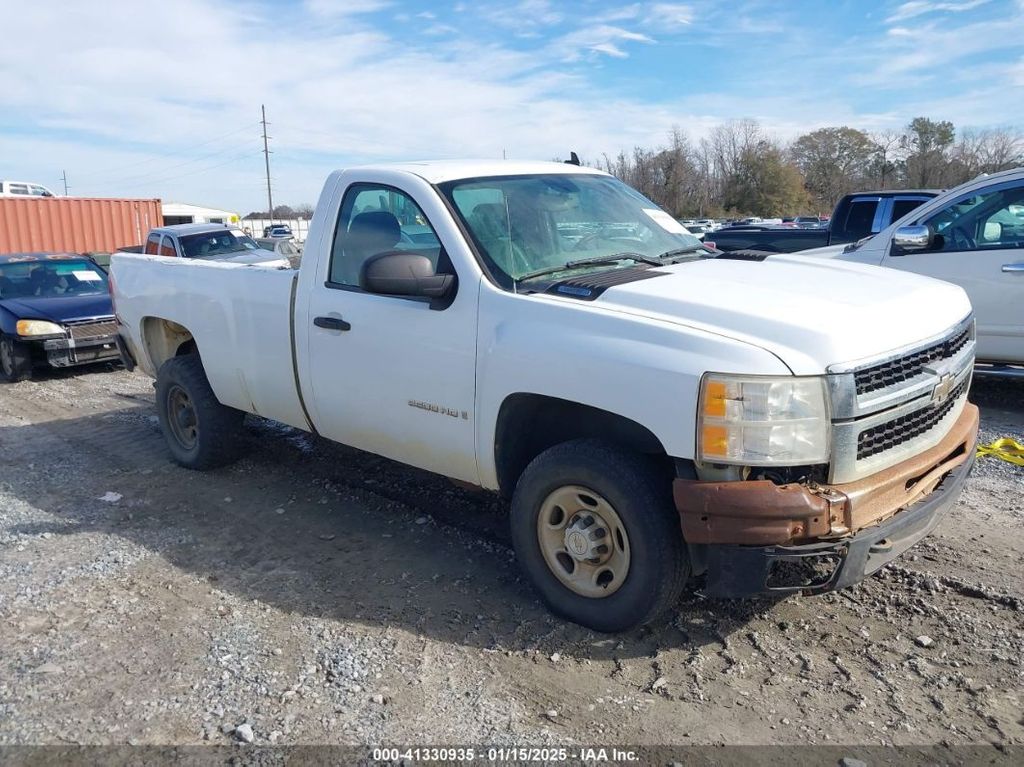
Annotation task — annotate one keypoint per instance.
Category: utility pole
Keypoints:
(266, 158)
(64, 178)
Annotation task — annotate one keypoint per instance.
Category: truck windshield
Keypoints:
(524, 225)
(51, 278)
(216, 243)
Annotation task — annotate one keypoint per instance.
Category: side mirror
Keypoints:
(910, 238)
(404, 274)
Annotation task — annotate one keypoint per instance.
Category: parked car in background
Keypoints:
(23, 189)
(418, 234)
(55, 310)
(211, 242)
(277, 230)
(856, 216)
(972, 236)
(652, 409)
(696, 229)
(807, 222)
(284, 248)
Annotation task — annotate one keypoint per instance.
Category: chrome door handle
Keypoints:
(1018, 267)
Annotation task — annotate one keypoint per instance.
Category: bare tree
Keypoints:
(887, 167)
(927, 143)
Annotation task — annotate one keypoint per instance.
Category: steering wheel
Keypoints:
(961, 239)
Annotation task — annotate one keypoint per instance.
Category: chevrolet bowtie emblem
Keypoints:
(942, 389)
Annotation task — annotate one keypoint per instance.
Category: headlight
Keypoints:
(39, 328)
(761, 421)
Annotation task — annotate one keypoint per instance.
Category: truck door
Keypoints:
(979, 245)
(391, 375)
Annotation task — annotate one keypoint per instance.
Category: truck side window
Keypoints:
(901, 206)
(152, 244)
(167, 247)
(860, 219)
(377, 219)
(991, 220)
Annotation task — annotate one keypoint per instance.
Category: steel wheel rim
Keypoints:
(583, 541)
(182, 418)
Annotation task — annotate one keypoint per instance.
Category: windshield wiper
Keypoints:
(681, 252)
(640, 258)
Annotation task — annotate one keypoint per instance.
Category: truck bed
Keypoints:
(238, 315)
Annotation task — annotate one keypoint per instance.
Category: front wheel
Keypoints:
(15, 360)
(597, 534)
(201, 433)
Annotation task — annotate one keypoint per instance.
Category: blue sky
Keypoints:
(142, 98)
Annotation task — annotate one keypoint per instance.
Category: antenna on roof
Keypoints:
(573, 159)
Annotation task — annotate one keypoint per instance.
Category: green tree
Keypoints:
(764, 183)
(834, 162)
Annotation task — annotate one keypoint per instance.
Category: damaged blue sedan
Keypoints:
(56, 311)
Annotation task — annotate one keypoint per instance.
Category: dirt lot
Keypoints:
(321, 595)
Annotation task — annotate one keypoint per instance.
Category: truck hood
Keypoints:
(829, 251)
(809, 312)
(60, 308)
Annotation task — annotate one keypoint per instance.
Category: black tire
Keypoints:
(15, 359)
(186, 403)
(641, 497)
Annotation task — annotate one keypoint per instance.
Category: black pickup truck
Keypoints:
(856, 216)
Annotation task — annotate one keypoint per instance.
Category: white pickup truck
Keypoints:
(653, 412)
(972, 236)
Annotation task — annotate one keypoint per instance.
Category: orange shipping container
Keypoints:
(74, 224)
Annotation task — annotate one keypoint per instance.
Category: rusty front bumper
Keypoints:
(853, 528)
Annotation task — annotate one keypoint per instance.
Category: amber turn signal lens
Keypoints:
(714, 440)
(714, 399)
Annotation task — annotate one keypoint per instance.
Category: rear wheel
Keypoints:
(596, 532)
(15, 359)
(201, 433)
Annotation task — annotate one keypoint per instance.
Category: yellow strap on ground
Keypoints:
(1005, 449)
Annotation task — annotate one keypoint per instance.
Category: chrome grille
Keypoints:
(893, 433)
(904, 368)
(88, 331)
(888, 409)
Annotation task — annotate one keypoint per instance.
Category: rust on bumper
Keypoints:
(763, 513)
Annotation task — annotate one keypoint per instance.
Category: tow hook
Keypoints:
(836, 508)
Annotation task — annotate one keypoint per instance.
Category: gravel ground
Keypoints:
(315, 594)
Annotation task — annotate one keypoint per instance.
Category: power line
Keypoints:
(196, 172)
(169, 153)
(141, 177)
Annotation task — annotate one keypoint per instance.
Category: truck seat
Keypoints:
(371, 232)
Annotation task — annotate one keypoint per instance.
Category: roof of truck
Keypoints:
(181, 229)
(438, 171)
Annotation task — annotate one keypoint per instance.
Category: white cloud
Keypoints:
(341, 8)
(175, 114)
(598, 39)
(669, 16)
(914, 8)
(110, 94)
(521, 15)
